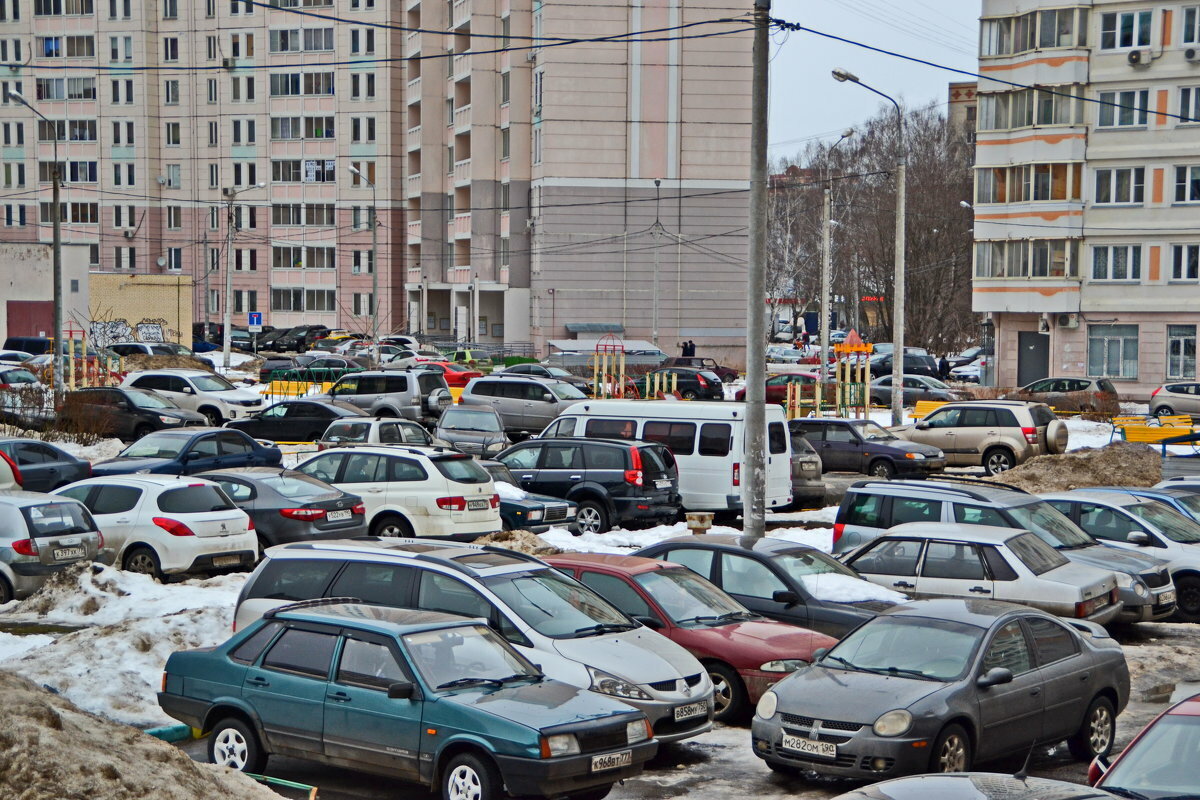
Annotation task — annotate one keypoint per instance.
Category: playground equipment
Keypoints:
(849, 393)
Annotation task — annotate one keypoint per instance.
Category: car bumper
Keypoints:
(1137, 610)
(923, 467)
(1107, 614)
(552, 777)
(211, 561)
(187, 710)
(859, 755)
(643, 508)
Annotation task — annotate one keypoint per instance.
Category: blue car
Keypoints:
(1184, 499)
(189, 451)
(526, 511)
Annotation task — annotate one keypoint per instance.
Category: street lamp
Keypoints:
(827, 252)
(227, 317)
(374, 259)
(898, 288)
(56, 217)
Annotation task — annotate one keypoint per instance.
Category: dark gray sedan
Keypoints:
(860, 445)
(936, 685)
(43, 466)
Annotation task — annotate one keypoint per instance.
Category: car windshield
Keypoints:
(689, 599)
(460, 418)
(152, 446)
(461, 469)
(212, 383)
(934, 383)
(51, 519)
(1189, 501)
(565, 391)
(559, 372)
(18, 376)
(1050, 526)
(143, 399)
(298, 487)
(1035, 554)
(811, 562)
(908, 647)
(465, 656)
(556, 606)
(1161, 764)
(873, 432)
(501, 474)
(1171, 523)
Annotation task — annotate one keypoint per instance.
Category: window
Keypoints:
(1187, 184)
(318, 127)
(318, 83)
(1185, 264)
(242, 89)
(505, 143)
(537, 144)
(370, 664)
(214, 177)
(172, 134)
(56, 8)
(362, 40)
(174, 217)
(175, 258)
(915, 510)
(1050, 105)
(320, 299)
(212, 90)
(174, 179)
(1037, 258)
(1181, 351)
(1124, 185)
(618, 592)
(241, 45)
(14, 134)
(14, 175)
(81, 88)
(1118, 262)
(952, 561)
(287, 300)
(364, 168)
(302, 652)
(1009, 650)
(1191, 24)
(1113, 351)
(214, 136)
(124, 257)
(122, 89)
(362, 86)
(505, 87)
(170, 9)
(245, 260)
(14, 215)
(250, 649)
(362, 129)
(1123, 109)
(243, 131)
(118, 128)
(715, 439)
(749, 578)
(50, 88)
(867, 510)
(1028, 182)
(1189, 104)
(364, 305)
(363, 262)
(1051, 641)
(889, 557)
(170, 48)
(1125, 29)
(680, 437)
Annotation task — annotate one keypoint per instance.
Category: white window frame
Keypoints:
(1105, 257)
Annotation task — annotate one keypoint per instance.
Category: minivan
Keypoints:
(525, 404)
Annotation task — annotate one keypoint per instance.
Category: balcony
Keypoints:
(413, 276)
(460, 228)
(505, 224)
(461, 14)
(462, 65)
(414, 232)
(412, 139)
(412, 185)
(460, 274)
(462, 172)
(462, 118)
(412, 91)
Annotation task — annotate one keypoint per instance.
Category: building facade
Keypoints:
(1087, 254)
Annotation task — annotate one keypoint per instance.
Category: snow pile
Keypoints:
(520, 541)
(12, 646)
(509, 492)
(621, 541)
(835, 588)
(1118, 464)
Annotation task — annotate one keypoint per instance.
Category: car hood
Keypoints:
(973, 786)
(640, 656)
(849, 696)
(539, 705)
(765, 640)
(127, 466)
(910, 447)
(180, 413)
(1113, 559)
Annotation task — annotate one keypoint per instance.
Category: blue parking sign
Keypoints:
(254, 318)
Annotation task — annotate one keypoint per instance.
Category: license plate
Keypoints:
(802, 745)
(1166, 597)
(477, 505)
(612, 760)
(690, 710)
(226, 561)
(662, 484)
(334, 516)
(63, 553)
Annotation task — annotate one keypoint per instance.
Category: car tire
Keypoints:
(881, 468)
(1056, 437)
(1164, 411)
(997, 460)
(385, 413)
(144, 561)
(233, 744)
(391, 526)
(212, 415)
(591, 517)
(1096, 733)
(729, 695)
(951, 751)
(1187, 598)
(6, 591)
(689, 395)
(469, 777)
(142, 430)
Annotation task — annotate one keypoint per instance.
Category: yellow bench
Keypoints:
(1124, 422)
(1176, 421)
(1151, 434)
(925, 407)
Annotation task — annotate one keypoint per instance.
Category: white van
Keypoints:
(708, 440)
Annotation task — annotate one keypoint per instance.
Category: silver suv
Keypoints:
(525, 404)
(419, 395)
(994, 434)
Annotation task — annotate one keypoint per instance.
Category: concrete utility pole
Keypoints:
(374, 264)
(827, 254)
(227, 301)
(754, 477)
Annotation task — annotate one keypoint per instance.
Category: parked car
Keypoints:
(196, 390)
(1176, 398)
(783, 580)
(808, 490)
(938, 559)
(1132, 523)
(457, 375)
(506, 727)
(916, 388)
(870, 508)
(323, 369)
(970, 355)
(522, 510)
(860, 445)
(691, 384)
(14, 356)
(40, 535)
(470, 356)
(295, 420)
(967, 680)
(126, 413)
(614, 482)
(408, 359)
(526, 404)
(417, 395)
(186, 451)
(574, 634)
(1160, 761)
(156, 349)
(973, 785)
(17, 377)
(1179, 497)
(994, 434)
(289, 506)
(726, 374)
(477, 430)
(778, 354)
(777, 386)
(43, 466)
(969, 373)
(275, 367)
(542, 371)
(377, 430)
(298, 338)
(433, 491)
(881, 364)
(1071, 394)
(745, 654)
(162, 525)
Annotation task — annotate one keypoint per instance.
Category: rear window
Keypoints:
(461, 470)
(866, 510)
(1042, 416)
(680, 437)
(777, 438)
(292, 579)
(347, 432)
(1035, 554)
(51, 519)
(430, 381)
(193, 500)
(654, 462)
(710, 376)
(715, 438)
(298, 487)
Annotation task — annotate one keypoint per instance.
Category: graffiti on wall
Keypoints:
(102, 333)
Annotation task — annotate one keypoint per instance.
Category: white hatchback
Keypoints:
(413, 491)
(199, 390)
(167, 524)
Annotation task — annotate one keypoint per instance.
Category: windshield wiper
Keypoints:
(842, 661)
(1135, 795)
(739, 615)
(603, 627)
(916, 673)
(522, 676)
(700, 619)
(468, 682)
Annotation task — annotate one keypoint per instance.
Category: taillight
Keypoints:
(838, 529)
(1156, 391)
(249, 524)
(703, 383)
(13, 466)
(1030, 435)
(100, 536)
(26, 547)
(452, 503)
(358, 508)
(633, 476)
(495, 501)
(737, 473)
(172, 526)
(305, 514)
(320, 446)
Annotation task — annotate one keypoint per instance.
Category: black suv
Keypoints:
(691, 384)
(125, 412)
(913, 365)
(860, 445)
(614, 481)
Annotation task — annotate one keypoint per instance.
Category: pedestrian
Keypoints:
(691, 348)
(683, 349)
(943, 368)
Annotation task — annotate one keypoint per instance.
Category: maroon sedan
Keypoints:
(777, 385)
(745, 654)
(1160, 762)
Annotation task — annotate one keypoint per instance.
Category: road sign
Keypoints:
(254, 320)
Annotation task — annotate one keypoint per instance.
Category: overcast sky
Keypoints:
(807, 103)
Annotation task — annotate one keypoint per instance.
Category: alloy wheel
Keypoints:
(1100, 729)
(230, 749)
(463, 784)
(953, 755)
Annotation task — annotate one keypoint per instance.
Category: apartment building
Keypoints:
(1087, 254)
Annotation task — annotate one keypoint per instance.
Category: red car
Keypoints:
(455, 374)
(745, 654)
(1160, 762)
(777, 385)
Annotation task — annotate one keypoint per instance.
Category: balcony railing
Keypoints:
(414, 232)
(413, 185)
(462, 117)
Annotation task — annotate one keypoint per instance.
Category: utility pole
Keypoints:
(227, 301)
(754, 476)
(374, 263)
(827, 255)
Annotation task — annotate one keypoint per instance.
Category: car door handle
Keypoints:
(1035, 692)
(575, 477)
(256, 681)
(339, 697)
(123, 520)
(1085, 677)
(904, 585)
(979, 590)
(526, 477)
(375, 490)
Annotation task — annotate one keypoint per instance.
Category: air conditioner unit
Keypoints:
(227, 63)
(531, 55)
(129, 234)
(1139, 58)
(1192, 54)
(1067, 321)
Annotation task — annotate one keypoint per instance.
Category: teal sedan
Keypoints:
(434, 698)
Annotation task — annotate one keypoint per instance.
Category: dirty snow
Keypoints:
(622, 541)
(509, 492)
(12, 646)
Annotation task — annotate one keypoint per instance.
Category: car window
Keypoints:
(368, 664)
(238, 492)
(323, 467)
(233, 444)
(1105, 523)
(906, 509)
(1008, 649)
(616, 591)
(29, 453)
(275, 412)
(657, 462)
(79, 493)
(889, 557)
(979, 515)
(1039, 386)
(997, 564)
(680, 437)
(866, 510)
(1035, 554)
(303, 652)
(1004, 418)
(562, 456)
(841, 434)
(522, 458)
(976, 418)
(364, 468)
(114, 499)
(716, 438)
(292, 579)
(698, 561)
(460, 469)
(749, 578)
(394, 384)
(442, 593)
(411, 433)
(248, 651)
(204, 447)
(599, 456)
(194, 499)
(377, 584)
(777, 438)
(611, 428)
(1168, 521)
(944, 418)
(953, 560)
(1052, 642)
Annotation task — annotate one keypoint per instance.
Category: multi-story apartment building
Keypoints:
(1087, 254)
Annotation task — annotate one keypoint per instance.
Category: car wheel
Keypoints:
(591, 518)
(6, 591)
(729, 695)
(143, 561)
(689, 395)
(142, 430)
(1164, 411)
(385, 413)
(234, 745)
(212, 415)
(313, 436)
(390, 525)
(881, 468)
(1187, 597)
(469, 777)
(1095, 735)
(952, 752)
(998, 460)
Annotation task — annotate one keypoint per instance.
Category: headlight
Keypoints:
(915, 456)
(168, 420)
(893, 723)
(560, 744)
(495, 447)
(1140, 589)
(637, 731)
(767, 705)
(939, 454)
(534, 515)
(783, 665)
(607, 683)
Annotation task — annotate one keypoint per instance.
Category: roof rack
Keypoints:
(320, 601)
(450, 545)
(966, 492)
(976, 482)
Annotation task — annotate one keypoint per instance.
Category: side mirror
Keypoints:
(191, 455)
(1140, 538)
(994, 677)
(922, 425)
(786, 597)
(400, 691)
(819, 653)
(547, 397)
(650, 622)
